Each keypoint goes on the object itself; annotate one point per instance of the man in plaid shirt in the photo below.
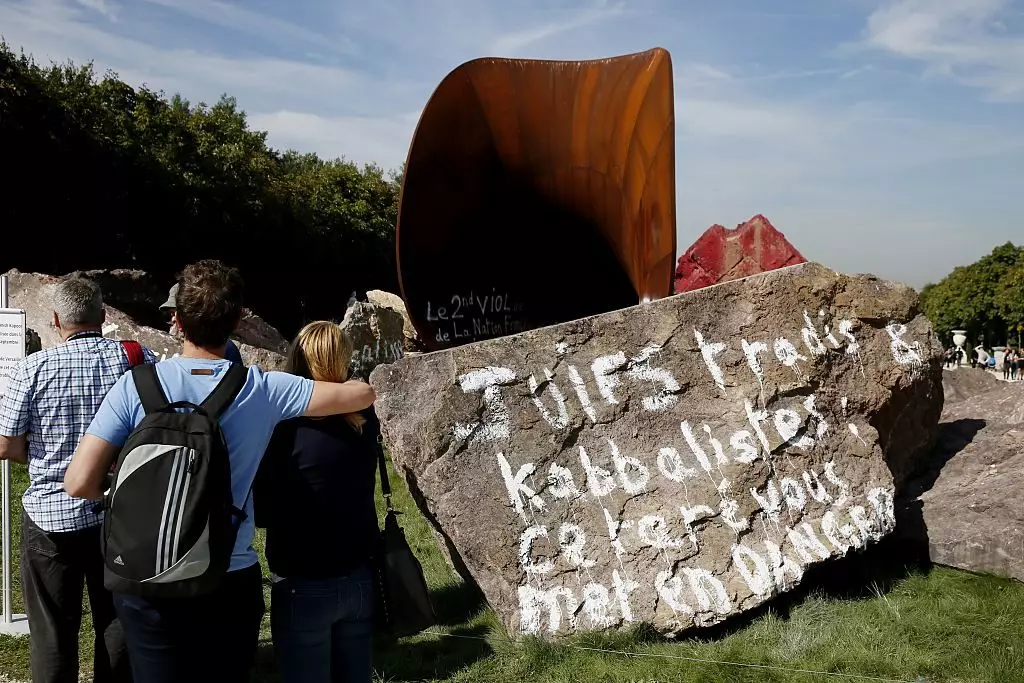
(53, 396)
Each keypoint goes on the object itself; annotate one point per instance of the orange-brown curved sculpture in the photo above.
(537, 192)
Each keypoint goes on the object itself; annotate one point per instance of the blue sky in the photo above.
(880, 136)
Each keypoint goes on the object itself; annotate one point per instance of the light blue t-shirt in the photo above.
(265, 399)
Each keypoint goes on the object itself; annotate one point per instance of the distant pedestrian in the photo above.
(54, 395)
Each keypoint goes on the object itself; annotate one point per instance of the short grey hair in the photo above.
(78, 301)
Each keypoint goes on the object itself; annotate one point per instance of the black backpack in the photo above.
(170, 521)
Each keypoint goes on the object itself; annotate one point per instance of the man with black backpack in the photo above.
(52, 396)
(187, 440)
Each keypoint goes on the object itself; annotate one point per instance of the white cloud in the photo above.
(965, 40)
(515, 41)
(107, 9)
(237, 18)
(377, 139)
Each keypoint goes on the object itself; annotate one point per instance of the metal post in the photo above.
(12, 624)
(5, 503)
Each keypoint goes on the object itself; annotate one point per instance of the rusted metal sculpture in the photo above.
(537, 192)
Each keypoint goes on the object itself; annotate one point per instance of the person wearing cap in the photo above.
(170, 306)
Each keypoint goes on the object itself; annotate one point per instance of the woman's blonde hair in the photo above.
(323, 352)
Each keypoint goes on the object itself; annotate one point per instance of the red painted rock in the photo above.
(720, 255)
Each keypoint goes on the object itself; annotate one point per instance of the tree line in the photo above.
(985, 298)
(104, 175)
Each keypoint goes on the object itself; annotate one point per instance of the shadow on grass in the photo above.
(455, 604)
(427, 656)
(421, 658)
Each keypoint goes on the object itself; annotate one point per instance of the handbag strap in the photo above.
(382, 470)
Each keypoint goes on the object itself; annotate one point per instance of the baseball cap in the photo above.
(172, 298)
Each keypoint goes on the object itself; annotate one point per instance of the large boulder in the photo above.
(139, 295)
(376, 333)
(383, 299)
(676, 462)
(33, 292)
(965, 511)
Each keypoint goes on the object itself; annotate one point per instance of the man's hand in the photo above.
(337, 399)
(89, 467)
(14, 448)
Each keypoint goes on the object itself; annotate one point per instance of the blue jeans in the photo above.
(323, 628)
(207, 639)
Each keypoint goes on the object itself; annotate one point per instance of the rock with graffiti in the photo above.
(676, 462)
(377, 336)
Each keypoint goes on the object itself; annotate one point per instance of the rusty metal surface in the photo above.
(537, 192)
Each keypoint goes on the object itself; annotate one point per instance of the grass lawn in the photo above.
(904, 622)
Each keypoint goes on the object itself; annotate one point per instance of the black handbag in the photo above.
(403, 601)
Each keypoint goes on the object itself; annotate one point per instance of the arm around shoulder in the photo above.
(330, 398)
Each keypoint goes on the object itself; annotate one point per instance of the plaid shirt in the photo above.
(53, 395)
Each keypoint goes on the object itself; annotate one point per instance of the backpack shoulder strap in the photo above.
(226, 391)
(148, 385)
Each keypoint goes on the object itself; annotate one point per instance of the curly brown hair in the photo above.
(209, 303)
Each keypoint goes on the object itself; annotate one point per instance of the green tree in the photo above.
(102, 175)
(980, 298)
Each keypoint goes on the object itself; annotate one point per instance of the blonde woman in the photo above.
(314, 495)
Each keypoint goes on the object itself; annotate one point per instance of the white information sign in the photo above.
(12, 343)
(13, 331)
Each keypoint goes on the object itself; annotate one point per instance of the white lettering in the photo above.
(580, 387)
(671, 465)
(532, 603)
(811, 339)
(787, 424)
(561, 484)
(599, 480)
(755, 418)
(750, 350)
(708, 352)
(695, 447)
(526, 551)
(691, 515)
(625, 462)
(653, 531)
(640, 369)
(816, 489)
(903, 353)
(772, 505)
(516, 487)
(571, 539)
(747, 451)
(728, 509)
(806, 542)
(562, 419)
(794, 494)
(782, 565)
(596, 602)
(488, 380)
(708, 590)
(604, 369)
(622, 588)
(670, 589)
(754, 570)
(787, 353)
